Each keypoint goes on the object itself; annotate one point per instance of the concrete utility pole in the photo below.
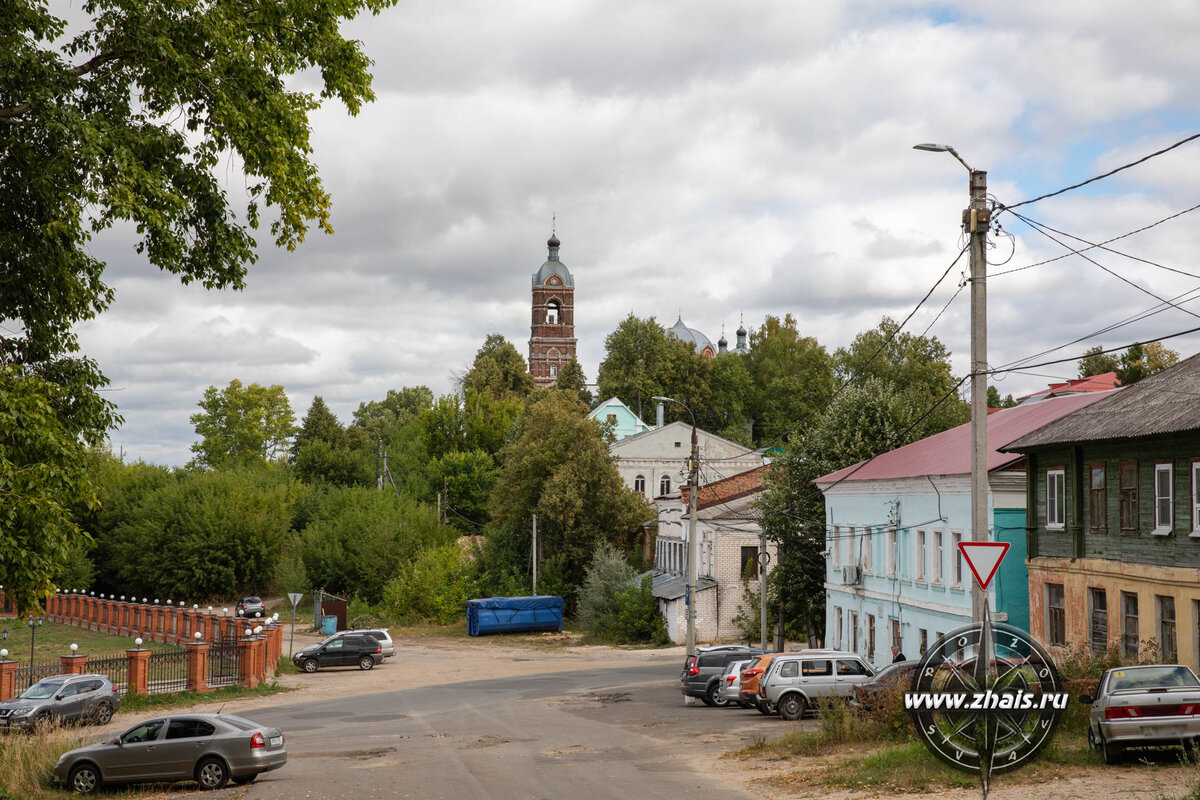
(762, 588)
(976, 221)
(533, 554)
(693, 565)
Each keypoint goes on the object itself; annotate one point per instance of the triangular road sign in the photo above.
(984, 559)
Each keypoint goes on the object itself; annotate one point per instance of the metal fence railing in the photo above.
(29, 675)
(223, 663)
(115, 667)
(167, 672)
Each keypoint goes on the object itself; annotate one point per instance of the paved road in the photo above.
(621, 732)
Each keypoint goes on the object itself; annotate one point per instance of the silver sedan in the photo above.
(1146, 706)
(211, 749)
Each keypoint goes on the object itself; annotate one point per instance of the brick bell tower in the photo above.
(552, 332)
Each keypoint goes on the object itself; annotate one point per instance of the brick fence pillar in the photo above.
(8, 679)
(248, 673)
(73, 665)
(197, 666)
(139, 671)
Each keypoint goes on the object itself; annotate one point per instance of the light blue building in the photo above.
(894, 574)
(620, 418)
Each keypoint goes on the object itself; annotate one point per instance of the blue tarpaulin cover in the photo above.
(514, 614)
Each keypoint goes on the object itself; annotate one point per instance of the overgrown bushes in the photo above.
(612, 608)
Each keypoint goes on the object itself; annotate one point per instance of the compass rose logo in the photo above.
(986, 698)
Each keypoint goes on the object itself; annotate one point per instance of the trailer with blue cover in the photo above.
(514, 614)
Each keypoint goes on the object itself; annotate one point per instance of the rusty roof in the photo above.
(1166, 403)
(949, 452)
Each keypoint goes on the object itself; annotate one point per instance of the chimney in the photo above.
(659, 416)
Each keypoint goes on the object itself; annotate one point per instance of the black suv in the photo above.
(701, 675)
(346, 650)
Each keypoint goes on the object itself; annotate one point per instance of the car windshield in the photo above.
(252, 600)
(1153, 678)
(41, 690)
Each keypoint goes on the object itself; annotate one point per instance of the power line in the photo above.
(1105, 175)
(1175, 335)
(1038, 227)
(1102, 246)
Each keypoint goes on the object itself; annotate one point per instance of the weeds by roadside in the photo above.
(141, 702)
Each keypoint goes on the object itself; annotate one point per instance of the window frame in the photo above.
(1056, 615)
(938, 556)
(1094, 610)
(919, 556)
(867, 549)
(1128, 637)
(890, 543)
(1058, 477)
(957, 559)
(1195, 469)
(835, 546)
(639, 484)
(1130, 523)
(1165, 636)
(1098, 498)
(664, 481)
(1163, 527)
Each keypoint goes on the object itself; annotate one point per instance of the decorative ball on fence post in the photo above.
(169, 601)
(122, 597)
(257, 630)
(181, 604)
(143, 600)
(198, 635)
(275, 616)
(257, 613)
(74, 647)
(224, 612)
(247, 631)
(138, 641)
(94, 594)
(195, 606)
(210, 609)
(4, 655)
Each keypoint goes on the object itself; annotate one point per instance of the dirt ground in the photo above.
(494, 658)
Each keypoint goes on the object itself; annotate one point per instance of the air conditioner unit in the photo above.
(852, 576)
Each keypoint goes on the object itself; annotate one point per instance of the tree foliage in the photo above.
(499, 370)
(1142, 361)
(792, 377)
(433, 587)
(864, 420)
(558, 467)
(242, 425)
(1096, 362)
(994, 400)
(319, 425)
(571, 379)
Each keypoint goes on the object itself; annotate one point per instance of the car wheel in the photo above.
(310, 665)
(85, 779)
(366, 662)
(713, 696)
(41, 722)
(791, 707)
(1112, 752)
(104, 713)
(211, 773)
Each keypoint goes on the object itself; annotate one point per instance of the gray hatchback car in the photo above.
(211, 749)
(61, 699)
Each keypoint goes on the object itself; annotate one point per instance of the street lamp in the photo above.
(34, 624)
(976, 219)
(693, 542)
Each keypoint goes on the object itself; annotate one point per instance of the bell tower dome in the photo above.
(552, 328)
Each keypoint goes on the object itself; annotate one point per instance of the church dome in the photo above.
(553, 241)
(685, 334)
(553, 268)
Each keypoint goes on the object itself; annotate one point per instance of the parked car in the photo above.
(211, 749)
(1148, 706)
(870, 693)
(794, 682)
(701, 674)
(384, 638)
(250, 607)
(751, 676)
(340, 650)
(731, 683)
(62, 699)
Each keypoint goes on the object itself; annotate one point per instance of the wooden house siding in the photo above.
(1077, 540)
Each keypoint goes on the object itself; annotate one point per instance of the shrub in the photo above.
(606, 575)
(433, 587)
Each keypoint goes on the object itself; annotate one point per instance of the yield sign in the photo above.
(984, 559)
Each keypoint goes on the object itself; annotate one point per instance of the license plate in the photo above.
(276, 741)
(1162, 730)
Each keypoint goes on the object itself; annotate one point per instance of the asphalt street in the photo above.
(589, 734)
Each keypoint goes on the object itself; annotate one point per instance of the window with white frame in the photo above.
(891, 552)
(664, 485)
(835, 546)
(956, 558)
(936, 572)
(1196, 500)
(867, 543)
(919, 556)
(1056, 498)
(1164, 505)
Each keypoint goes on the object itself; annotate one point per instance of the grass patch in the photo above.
(895, 770)
(54, 640)
(141, 702)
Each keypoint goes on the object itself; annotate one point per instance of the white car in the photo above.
(731, 683)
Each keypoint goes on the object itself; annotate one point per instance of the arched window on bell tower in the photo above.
(553, 312)
(554, 370)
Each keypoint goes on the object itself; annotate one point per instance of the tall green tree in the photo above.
(636, 363)
(862, 421)
(465, 479)
(994, 400)
(571, 379)
(1096, 362)
(128, 116)
(732, 393)
(792, 374)
(1142, 361)
(917, 366)
(558, 467)
(499, 370)
(397, 407)
(319, 425)
(242, 425)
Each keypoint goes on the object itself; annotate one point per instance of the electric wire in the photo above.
(1108, 174)
(1175, 335)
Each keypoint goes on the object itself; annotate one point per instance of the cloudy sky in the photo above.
(715, 158)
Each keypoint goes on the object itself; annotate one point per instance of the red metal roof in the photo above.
(1093, 383)
(949, 452)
